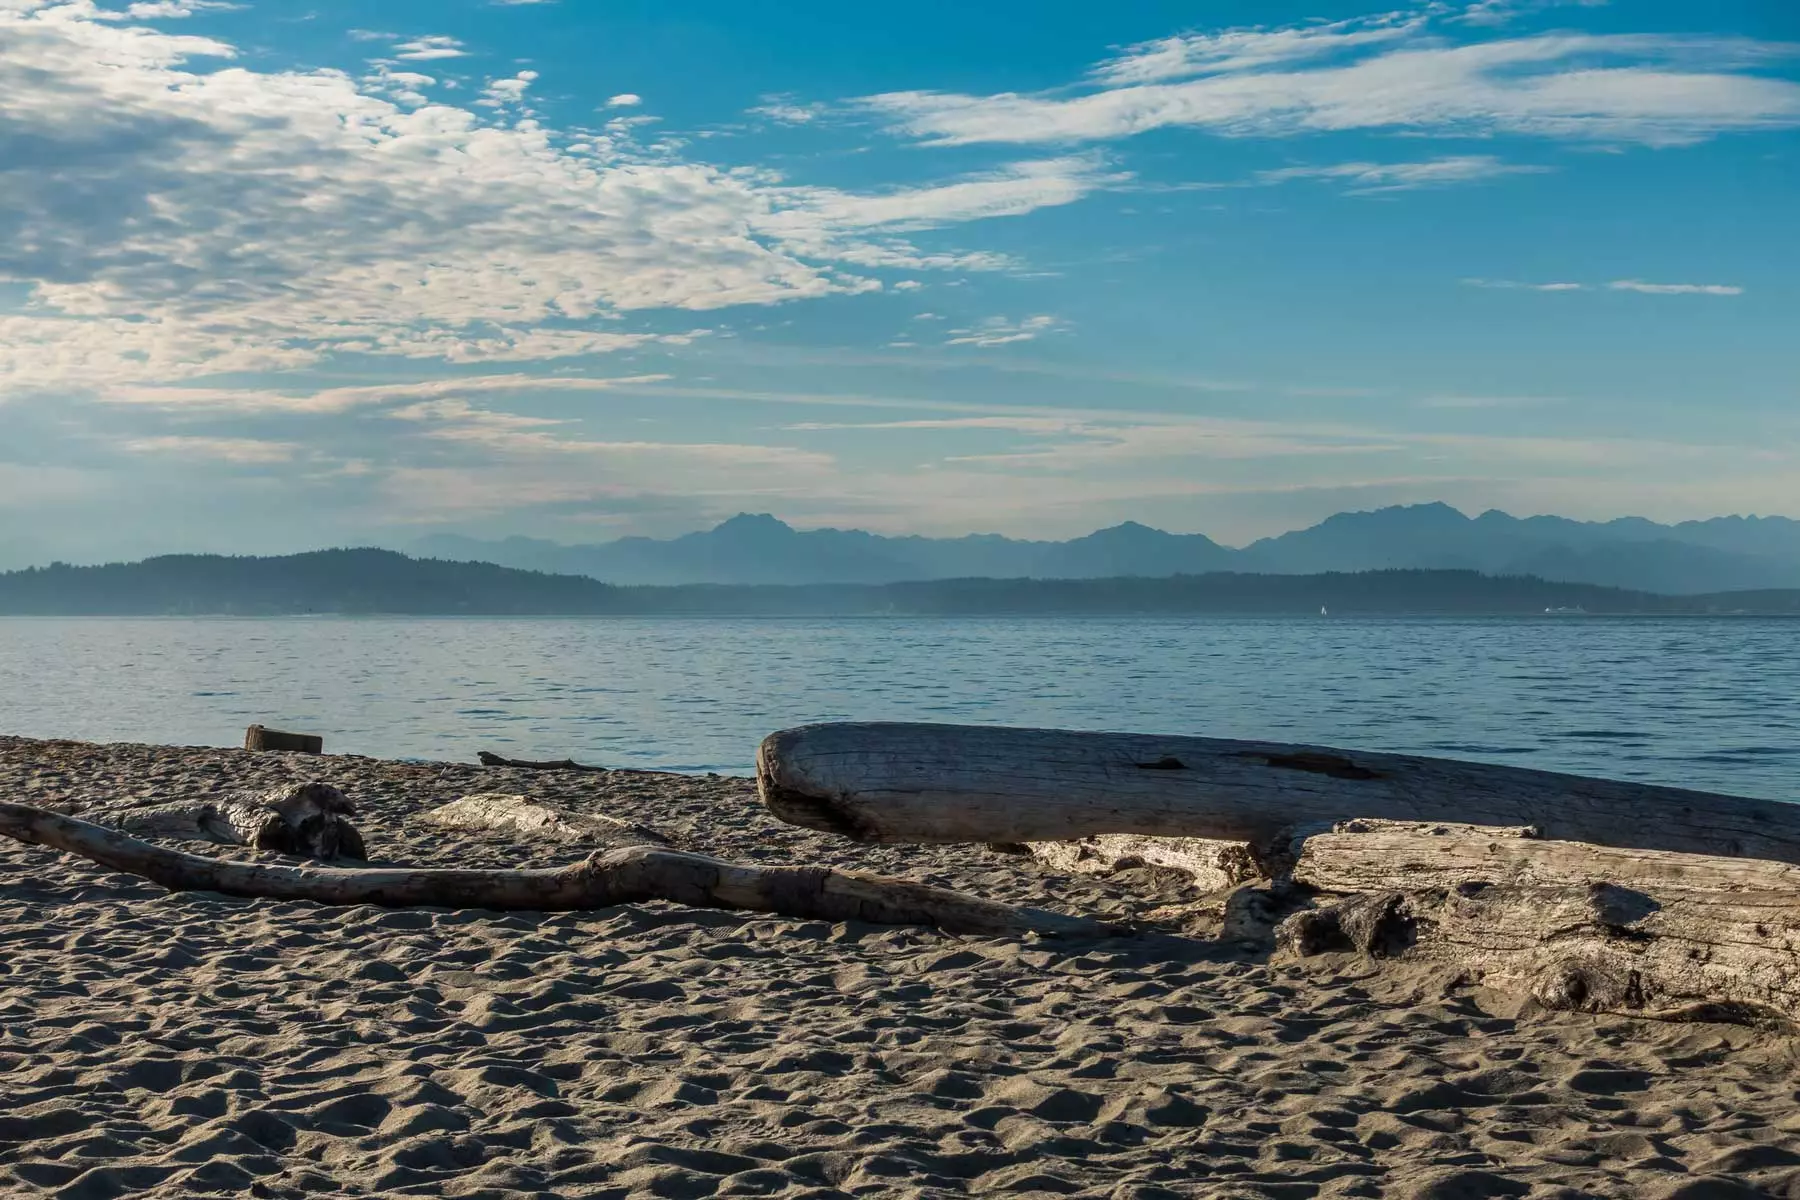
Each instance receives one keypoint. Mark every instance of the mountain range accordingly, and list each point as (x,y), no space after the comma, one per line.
(1689,558)
(369,581)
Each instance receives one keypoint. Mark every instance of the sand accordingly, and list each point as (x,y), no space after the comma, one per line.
(174,1045)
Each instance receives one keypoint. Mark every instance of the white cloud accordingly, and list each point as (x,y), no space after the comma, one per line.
(1389,73)
(1675,289)
(181,215)
(234,450)
(1366,178)
(502,92)
(151,10)
(1516,285)
(426,49)
(346,399)
(624,100)
(1617,285)
(1248,49)
(1000,331)
(786,111)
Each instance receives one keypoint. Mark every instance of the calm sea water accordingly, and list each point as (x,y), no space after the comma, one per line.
(1701,703)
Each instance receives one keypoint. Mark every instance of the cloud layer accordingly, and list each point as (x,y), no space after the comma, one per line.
(1394,73)
(177,214)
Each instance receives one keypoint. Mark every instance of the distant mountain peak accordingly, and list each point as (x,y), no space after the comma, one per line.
(753,523)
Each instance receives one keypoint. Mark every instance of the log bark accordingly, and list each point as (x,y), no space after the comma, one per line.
(1573,926)
(259,738)
(500,812)
(489,759)
(1213,865)
(959,783)
(310,820)
(624,876)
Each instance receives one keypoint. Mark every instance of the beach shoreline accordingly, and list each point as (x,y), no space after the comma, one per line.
(163,1044)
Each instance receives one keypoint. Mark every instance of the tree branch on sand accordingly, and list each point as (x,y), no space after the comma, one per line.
(628,875)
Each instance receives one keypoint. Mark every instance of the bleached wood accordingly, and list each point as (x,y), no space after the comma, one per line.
(503,812)
(1400,858)
(311,820)
(1591,928)
(959,783)
(623,876)
(1214,865)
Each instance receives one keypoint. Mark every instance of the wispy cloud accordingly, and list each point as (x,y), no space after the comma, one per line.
(1001,331)
(232,450)
(1385,73)
(1366,178)
(1675,289)
(433,46)
(1617,285)
(1520,285)
(624,100)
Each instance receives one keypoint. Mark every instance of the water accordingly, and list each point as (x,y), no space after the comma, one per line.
(1711,704)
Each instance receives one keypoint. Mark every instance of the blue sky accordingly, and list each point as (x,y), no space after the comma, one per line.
(275,276)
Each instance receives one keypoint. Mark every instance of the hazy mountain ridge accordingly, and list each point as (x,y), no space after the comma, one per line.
(1693,557)
(369,582)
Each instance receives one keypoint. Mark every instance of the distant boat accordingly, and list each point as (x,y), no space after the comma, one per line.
(1577,611)
(1322,611)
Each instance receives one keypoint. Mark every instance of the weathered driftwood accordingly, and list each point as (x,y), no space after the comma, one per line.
(1575,926)
(960,783)
(501,812)
(259,738)
(1213,865)
(311,820)
(628,875)
(489,759)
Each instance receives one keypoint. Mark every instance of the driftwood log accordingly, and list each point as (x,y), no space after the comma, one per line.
(623,876)
(501,812)
(311,820)
(1574,926)
(258,737)
(959,783)
(489,759)
(1214,865)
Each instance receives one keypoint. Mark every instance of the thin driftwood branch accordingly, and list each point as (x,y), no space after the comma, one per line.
(624,876)
(311,820)
(489,759)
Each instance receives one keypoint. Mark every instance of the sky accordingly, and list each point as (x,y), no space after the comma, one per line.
(276,276)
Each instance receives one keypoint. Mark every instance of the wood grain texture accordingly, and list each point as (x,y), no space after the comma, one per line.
(310,820)
(623,876)
(1588,928)
(1213,865)
(901,782)
(518,816)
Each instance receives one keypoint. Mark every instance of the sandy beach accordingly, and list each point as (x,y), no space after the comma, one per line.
(157,1044)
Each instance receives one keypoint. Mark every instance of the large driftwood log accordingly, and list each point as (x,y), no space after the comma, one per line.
(1213,865)
(624,876)
(501,812)
(311,820)
(961,783)
(1575,926)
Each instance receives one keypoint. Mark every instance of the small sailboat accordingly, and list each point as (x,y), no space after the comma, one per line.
(1322,611)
